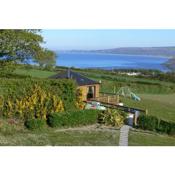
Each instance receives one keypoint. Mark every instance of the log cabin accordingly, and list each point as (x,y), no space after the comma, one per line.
(89,87)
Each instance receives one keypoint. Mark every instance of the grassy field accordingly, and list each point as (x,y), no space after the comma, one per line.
(150,139)
(34,73)
(137,85)
(91,137)
(162,106)
(60,138)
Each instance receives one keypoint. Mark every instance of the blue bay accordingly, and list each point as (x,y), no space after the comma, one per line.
(109,61)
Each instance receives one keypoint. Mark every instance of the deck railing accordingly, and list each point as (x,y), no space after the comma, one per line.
(107,98)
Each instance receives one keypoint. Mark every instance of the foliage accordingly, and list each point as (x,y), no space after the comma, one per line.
(65,89)
(111,117)
(155,124)
(73,119)
(37,104)
(79,99)
(46,59)
(34,124)
(7,66)
(22,45)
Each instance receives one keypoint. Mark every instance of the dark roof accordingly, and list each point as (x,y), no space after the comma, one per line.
(80,80)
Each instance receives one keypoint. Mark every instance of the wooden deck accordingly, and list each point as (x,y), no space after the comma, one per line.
(107,98)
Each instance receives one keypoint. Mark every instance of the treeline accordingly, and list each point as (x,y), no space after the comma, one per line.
(171,64)
(168,76)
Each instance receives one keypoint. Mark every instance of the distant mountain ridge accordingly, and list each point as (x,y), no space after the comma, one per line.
(152,51)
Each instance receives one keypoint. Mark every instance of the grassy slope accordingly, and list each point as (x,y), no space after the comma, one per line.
(58,137)
(66,138)
(162,106)
(34,73)
(150,139)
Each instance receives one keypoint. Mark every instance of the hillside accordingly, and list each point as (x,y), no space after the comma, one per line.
(171,64)
(154,51)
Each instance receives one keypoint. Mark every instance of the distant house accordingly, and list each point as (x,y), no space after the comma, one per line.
(89,87)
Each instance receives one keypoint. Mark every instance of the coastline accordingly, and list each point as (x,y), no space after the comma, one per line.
(97,53)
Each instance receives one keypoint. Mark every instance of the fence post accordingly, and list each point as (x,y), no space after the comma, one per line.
(146,111)
(117,98)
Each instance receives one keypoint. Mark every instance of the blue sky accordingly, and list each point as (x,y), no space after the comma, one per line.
(103,39)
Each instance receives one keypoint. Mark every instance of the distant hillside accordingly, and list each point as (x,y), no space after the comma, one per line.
(155,51)
(171,64)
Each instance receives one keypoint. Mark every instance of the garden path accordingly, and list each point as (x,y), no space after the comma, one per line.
(124,131)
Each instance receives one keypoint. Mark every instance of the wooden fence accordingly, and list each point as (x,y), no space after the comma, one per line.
(107,98)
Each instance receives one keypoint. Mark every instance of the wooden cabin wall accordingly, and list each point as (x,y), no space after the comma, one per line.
(85,90)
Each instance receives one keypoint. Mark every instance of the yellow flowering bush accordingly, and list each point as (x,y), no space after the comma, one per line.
(38,104)
(79,99)
(112,117)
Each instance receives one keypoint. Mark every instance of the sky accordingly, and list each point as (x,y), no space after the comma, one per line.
(106,39)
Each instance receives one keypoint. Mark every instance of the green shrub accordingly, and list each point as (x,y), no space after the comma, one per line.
(11,90)
(73,119)
(111,117)
(57,119)
(164,127)
(172,132)
(34,124)
(154,124)
(148,122)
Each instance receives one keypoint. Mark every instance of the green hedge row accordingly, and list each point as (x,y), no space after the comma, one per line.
(73,119)
(19,88)
(35,124)
(155,124)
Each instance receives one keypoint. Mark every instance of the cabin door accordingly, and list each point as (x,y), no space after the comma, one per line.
(91,92)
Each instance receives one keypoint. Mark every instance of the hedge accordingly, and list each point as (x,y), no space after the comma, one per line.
(19,88)
(73,119)
(34,124)
(155,124)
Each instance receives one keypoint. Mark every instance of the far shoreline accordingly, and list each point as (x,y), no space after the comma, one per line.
(97,53)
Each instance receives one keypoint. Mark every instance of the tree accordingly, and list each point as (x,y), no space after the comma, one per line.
(24,45)
(46,58)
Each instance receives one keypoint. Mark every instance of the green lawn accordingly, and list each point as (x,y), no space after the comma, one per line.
(34,73)
(162,106)
(140,138)
(54,137)
(60,138)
